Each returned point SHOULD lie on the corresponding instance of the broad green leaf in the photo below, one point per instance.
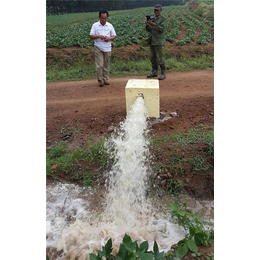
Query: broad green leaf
(173, 207)
(192, 230)
(134, 245)
(181, 250)
(101, 253)
(127, 241)
(199, 238)
(182, 213)
(155, 247)
(159, 256)
(144, 246)
(145, 256)
(92, 256)
(192, 246)
(122, 251)
(108, 247)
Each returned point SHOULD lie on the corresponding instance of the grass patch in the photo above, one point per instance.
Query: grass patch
(179, 155)
(81, 66)
(175, 157)
(77, 164)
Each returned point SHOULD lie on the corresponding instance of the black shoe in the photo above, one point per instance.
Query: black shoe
(162, 77)
(153, 74)
(163, 69)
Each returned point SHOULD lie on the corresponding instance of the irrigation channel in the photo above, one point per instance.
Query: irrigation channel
(81, 221)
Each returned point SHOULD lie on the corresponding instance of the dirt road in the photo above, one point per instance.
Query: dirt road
(81, 108)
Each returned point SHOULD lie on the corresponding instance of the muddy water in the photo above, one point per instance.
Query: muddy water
(75, 224)
(80, 221)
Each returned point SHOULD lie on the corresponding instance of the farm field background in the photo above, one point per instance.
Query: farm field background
(80, 115)
(189, 42)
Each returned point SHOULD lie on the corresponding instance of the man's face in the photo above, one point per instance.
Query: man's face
(157, 12)
(103, 19)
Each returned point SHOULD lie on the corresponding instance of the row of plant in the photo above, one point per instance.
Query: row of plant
(203, 19)
(192, 25)
(206, 31)
(130, 28)
(191, 28)
(198, 232)
(174, 27)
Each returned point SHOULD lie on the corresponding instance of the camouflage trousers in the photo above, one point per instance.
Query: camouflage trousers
(157, 56)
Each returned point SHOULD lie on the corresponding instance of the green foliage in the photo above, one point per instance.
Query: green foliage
(69, 30)
(75, 162)
(210, 256)
(73, 29)
(191, 151)
(68, 68)
(206, 9)
(57, 150)
(128, 250)
(198, 232)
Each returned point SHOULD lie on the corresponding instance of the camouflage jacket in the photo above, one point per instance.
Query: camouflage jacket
(156, 32)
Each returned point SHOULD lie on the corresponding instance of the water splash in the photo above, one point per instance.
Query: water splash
(128, 178)
(125, 210)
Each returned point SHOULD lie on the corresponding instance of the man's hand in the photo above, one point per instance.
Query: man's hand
(149, 23)
(102, 37)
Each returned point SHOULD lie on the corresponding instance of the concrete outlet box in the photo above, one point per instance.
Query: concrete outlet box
(150, 90)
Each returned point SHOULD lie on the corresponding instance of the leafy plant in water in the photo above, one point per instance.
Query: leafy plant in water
(198, 232)
(128, 250)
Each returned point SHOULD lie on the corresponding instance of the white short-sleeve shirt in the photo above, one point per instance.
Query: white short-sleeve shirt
(105, 30)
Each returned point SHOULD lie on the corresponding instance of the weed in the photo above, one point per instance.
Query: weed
(192, 151)
(97, 152)
(74, 162)
(210, 256)
(199, 163)
(198, 232)
(57, 150)
(86, 177)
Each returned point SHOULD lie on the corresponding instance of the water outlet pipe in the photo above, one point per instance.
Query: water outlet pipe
(148, 88)
(141, 95)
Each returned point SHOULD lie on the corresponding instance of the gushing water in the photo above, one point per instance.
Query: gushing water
(77, 230)
(128, 177)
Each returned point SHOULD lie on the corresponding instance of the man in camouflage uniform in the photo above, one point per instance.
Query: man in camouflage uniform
(156, 29)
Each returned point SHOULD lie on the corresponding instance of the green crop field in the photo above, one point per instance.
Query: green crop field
(73, 29)
(189, 38)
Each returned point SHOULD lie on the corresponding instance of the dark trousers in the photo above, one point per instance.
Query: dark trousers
(157, 56)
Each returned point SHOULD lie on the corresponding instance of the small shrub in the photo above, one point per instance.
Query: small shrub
(198, 232)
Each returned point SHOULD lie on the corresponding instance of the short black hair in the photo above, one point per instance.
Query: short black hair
(103, 12)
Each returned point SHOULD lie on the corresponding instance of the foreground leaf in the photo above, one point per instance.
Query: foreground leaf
(181, 250)
(192, 246)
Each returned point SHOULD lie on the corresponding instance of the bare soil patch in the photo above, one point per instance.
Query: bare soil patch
(84, 105)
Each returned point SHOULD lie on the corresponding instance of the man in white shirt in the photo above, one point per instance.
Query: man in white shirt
(103, 33)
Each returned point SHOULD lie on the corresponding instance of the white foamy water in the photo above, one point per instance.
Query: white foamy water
(75, 229)
(128, 178)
